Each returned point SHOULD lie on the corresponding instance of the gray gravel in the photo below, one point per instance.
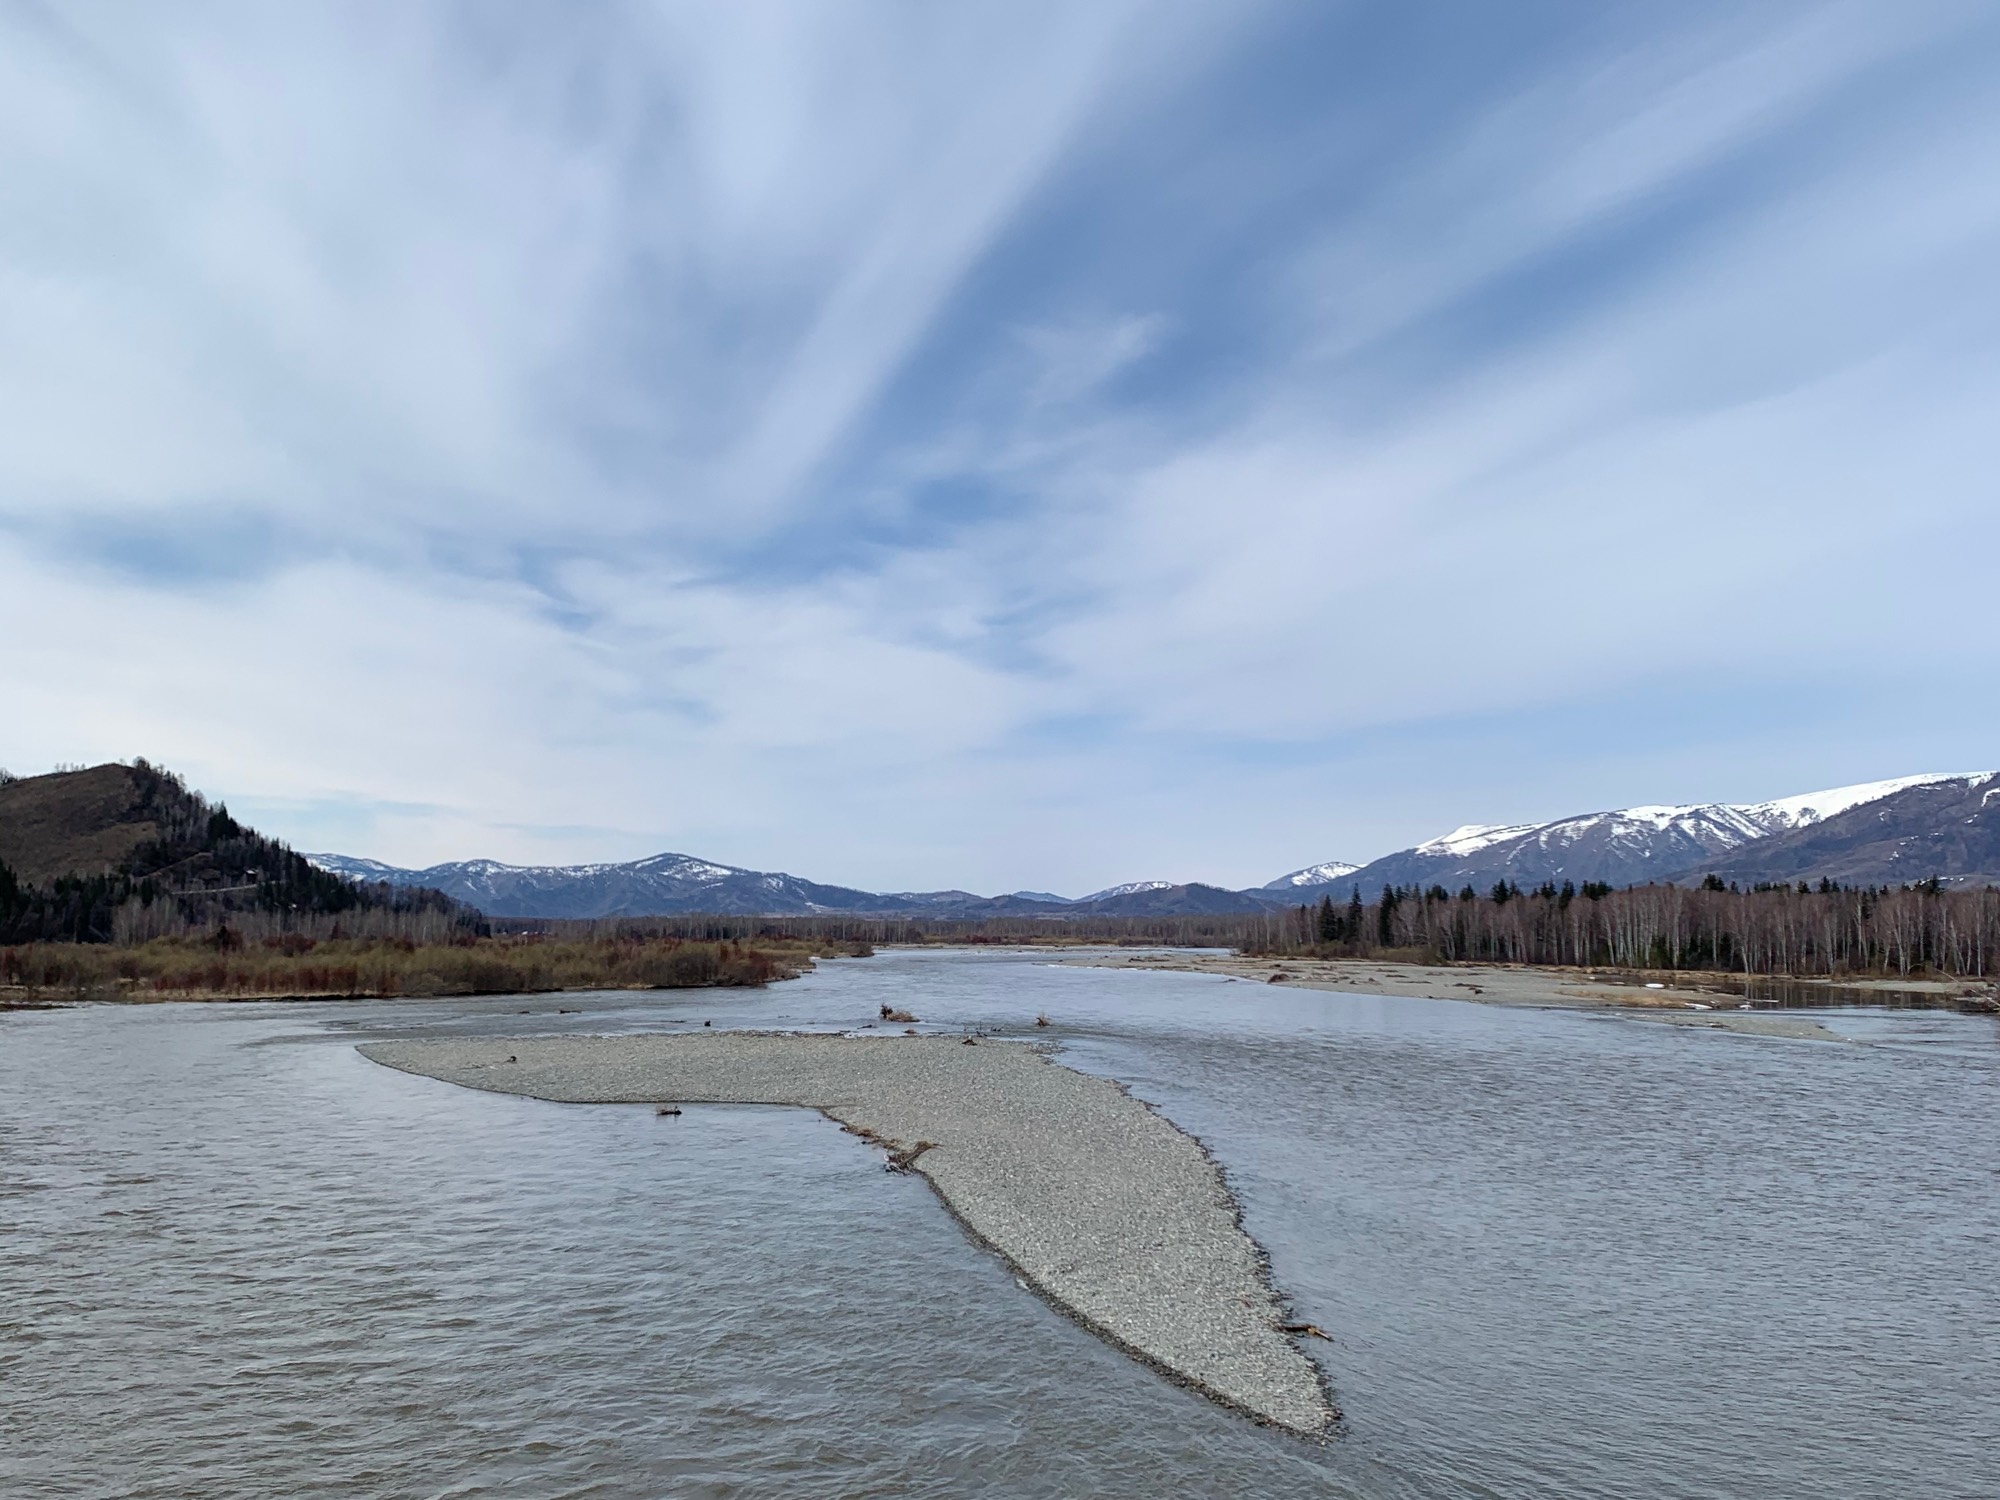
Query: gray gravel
(1115, 1216)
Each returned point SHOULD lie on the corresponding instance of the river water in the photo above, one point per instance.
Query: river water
(1559, 1254)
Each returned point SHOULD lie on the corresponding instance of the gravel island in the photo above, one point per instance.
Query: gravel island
(1106, 1209)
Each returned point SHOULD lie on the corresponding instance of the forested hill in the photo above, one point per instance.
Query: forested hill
(119, 851)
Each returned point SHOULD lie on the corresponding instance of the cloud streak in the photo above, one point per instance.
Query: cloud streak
(999, 446)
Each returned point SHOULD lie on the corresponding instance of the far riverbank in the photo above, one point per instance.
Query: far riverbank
(1681, 996)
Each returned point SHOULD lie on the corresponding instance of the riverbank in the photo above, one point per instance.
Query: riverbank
(1103, 1207)
(1489, 984)
(222, 966)
(1546, 987)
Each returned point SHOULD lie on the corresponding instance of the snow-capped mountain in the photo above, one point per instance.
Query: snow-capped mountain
(1628, 845)
(662, 885)
(1325, 874)
(1907, 829)
(1948, 827)
(1130, 888)
(675, 884)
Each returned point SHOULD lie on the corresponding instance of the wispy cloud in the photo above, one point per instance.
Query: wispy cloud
(995, 445)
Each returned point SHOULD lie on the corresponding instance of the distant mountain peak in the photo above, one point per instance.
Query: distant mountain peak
(1472, 837)
(671, 884)
(1815, 807)
(1626, 845)
(1130, 888)
(1312, 875)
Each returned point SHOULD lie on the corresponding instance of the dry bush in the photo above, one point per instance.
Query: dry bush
(221, 965)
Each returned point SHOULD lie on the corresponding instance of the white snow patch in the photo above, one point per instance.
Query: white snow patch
(1130, 888)
(1816, 807)
(1321, 874)
(1723, 824)
(1473, 837)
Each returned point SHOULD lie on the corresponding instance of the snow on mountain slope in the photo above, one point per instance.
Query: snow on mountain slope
(353, 868)
(1473, 837)
(1720, 824)
(660, 885)
(1814, 807)
(669, 884)
(1625, 845)
(1130, 888)
(1945, 827)
(1323, 874)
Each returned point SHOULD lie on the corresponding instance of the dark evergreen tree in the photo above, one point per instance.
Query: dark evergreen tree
(207, 864)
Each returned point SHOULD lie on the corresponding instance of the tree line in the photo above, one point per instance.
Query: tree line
(1827, 929)
(224, 964)
(202, 869)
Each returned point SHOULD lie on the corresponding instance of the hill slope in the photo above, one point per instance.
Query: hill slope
(82, 852)
(1948, 828)
(1313, 878)
(1633, 845)
(76, 823)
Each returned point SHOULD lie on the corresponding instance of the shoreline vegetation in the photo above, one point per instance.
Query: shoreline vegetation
(1647, 947)
(226, 965)
(1794, 931)
(1683, 997)
(1913, 935)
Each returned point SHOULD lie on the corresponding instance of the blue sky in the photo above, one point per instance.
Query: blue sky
(996, 445)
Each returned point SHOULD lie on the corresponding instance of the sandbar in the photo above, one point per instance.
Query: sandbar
(1103, 1207)
(1533, 985)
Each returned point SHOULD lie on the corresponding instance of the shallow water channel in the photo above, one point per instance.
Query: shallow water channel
(1560, 1254)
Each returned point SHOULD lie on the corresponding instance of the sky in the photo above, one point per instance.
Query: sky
(996, 445)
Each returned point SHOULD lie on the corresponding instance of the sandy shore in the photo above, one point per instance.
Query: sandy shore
(1491, 985)
(1688, 1000)
(1518, 984)
(1102, 1206)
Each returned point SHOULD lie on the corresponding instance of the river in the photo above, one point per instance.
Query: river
(1559, 1254)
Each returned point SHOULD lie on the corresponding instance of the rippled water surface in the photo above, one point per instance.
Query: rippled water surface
(1559, 1254)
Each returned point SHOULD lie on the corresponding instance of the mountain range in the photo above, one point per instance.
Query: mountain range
(1881, 832)
(678, 884)
(1878, 832)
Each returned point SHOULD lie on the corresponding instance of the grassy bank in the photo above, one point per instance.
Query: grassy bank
(224, 966)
